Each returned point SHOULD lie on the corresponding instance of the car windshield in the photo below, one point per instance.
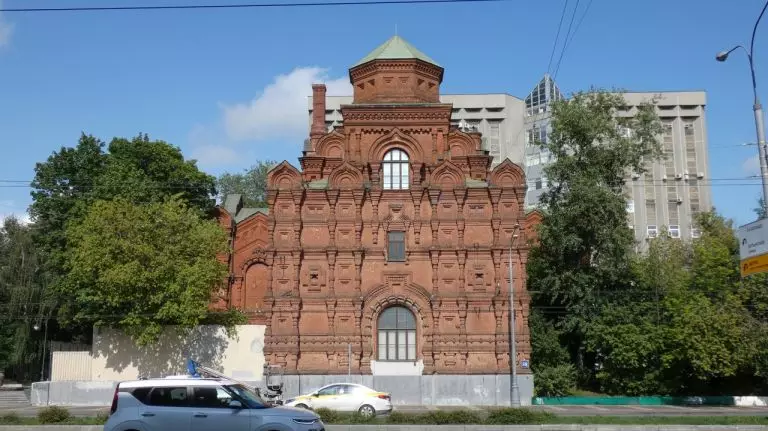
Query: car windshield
(251, 398)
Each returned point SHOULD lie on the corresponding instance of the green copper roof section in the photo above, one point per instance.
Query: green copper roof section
(396, 48)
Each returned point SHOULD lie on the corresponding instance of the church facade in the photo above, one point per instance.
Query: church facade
(388, 250)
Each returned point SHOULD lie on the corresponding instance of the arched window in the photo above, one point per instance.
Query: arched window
(396, 170)
(397, 335)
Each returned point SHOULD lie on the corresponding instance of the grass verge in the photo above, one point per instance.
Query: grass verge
(503, 416)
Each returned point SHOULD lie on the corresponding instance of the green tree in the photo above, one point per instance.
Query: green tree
(68, 183)
(684, 328)
(585, 246)
(143, 170)
(139, 267)
(251, 184)
(759, 209)
(550, 362)
(22, 300)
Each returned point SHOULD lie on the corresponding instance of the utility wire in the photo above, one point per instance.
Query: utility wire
(575, 30)
(557, 37)
(567, 35)
(238, 5)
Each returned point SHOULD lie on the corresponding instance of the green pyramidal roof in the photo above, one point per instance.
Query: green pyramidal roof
(396, 48)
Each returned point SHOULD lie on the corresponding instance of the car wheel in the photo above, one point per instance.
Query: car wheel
(367, 411)
(302, 406)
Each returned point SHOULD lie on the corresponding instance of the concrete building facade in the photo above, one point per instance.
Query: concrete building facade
(667, 197)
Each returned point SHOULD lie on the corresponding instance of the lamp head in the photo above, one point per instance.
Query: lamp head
(36, 327)
(722, 56)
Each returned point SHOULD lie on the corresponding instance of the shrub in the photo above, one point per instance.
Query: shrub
(558, 381)
(53, 415)
(452, 417)
(516, 416)
(10, 419)
(329, 416)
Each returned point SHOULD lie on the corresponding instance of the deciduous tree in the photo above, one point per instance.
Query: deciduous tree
(139, 267)
(251, 184)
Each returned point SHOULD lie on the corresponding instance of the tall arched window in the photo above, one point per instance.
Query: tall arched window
(397, 335)
(396, 170)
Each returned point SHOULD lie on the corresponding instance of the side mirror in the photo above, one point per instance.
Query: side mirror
(315, 394)
(235, 404)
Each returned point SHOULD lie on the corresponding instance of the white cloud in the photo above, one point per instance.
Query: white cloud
(215, 155)
(751, 166)
(280, 110)
(6, 29)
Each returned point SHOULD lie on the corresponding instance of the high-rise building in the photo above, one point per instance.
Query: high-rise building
(668, 196)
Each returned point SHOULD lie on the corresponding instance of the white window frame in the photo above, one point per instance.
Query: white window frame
(674, 231)
(652, 231)
(396, 170)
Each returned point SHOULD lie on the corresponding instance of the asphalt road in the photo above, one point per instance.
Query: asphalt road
(30, 411)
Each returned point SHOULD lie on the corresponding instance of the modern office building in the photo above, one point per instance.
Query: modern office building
(668, 196)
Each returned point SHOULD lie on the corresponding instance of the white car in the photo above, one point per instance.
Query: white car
(345, 397)
(196, 404)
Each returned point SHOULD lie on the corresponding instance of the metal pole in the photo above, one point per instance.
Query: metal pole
(514, 399)
(761, 145)
(45, 341)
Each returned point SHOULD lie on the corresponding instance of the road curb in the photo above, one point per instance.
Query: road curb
(548, 427)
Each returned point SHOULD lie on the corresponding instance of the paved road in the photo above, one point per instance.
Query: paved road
(30, 411)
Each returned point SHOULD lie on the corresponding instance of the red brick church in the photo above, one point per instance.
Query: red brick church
(393, 236)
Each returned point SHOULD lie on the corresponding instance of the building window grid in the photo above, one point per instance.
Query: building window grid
(396, 246)
(396, 170)
(495, 127)
(397, 335)
(669, 150)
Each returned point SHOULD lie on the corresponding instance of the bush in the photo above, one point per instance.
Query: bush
(452, 417)
(515, 416)
(10, 419)
(53, 415)
(558, 381)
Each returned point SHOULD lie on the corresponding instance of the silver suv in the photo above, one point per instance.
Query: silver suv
(196, 404)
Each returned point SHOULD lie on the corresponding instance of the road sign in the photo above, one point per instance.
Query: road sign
(754, 265)
(524, 363)
(753, 239)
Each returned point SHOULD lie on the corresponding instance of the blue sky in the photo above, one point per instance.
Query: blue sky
(229, 86)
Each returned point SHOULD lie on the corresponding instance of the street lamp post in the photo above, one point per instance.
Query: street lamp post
(514, 398)
(757, 107)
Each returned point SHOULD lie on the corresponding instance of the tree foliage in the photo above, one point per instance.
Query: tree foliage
(139, 267)
(584, 244)
(22, 299)
(71, 181)
(251, 184)
(685, 327)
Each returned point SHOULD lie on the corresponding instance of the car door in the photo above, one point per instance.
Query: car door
(211, 411)
(166, 408)
(348, 398)
(326, 397)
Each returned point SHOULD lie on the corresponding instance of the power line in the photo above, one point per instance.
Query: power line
(578, 25)
(238, 5)
(567, 34)
(557, 36)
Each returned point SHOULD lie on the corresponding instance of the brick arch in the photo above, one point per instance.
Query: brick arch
(345, 176)
(507, 174)
(415, 297)
(396, 139)
(460, 144)
(331, 145)
(284, 176)
(447, 176)
(260, 255)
